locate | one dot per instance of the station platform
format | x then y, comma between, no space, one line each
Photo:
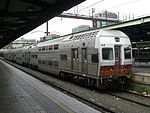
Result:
21,93
141,74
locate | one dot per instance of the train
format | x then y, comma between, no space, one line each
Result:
141,55
99,58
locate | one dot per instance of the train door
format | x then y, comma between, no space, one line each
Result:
27,57
84,60
75,63
117,59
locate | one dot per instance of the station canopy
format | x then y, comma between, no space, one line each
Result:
138,29
18,17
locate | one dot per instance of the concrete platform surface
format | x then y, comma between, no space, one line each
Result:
141,74
21,93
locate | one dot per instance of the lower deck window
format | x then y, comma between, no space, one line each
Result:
107,53
63,57
50,63
94,58
39,61
43,61
56,63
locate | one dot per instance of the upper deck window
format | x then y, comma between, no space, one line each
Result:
43,48
107,53
56,46
127,53
50,47
39,48
94,58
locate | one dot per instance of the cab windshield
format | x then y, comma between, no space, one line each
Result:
107,53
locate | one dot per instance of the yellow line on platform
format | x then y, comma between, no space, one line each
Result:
60,104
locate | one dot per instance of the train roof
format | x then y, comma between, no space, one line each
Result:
49,42
112,33
91,33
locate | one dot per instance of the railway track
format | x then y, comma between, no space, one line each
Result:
120,95
101,108
140,83
126,96
136,98
132,97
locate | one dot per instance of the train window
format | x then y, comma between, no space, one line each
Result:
50,63
43,61
47,62
107,53
63,57
127,53
43,48
39,61
56,46
95,58
47,48
50,47
39,49
56,63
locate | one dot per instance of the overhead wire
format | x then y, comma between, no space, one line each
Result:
109,7
97,3
91,5
122,4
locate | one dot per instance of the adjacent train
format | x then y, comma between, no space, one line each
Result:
99,58
141,55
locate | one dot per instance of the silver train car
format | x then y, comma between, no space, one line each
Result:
99,58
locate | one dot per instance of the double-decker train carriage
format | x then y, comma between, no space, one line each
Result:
141,52
141,55
98,58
